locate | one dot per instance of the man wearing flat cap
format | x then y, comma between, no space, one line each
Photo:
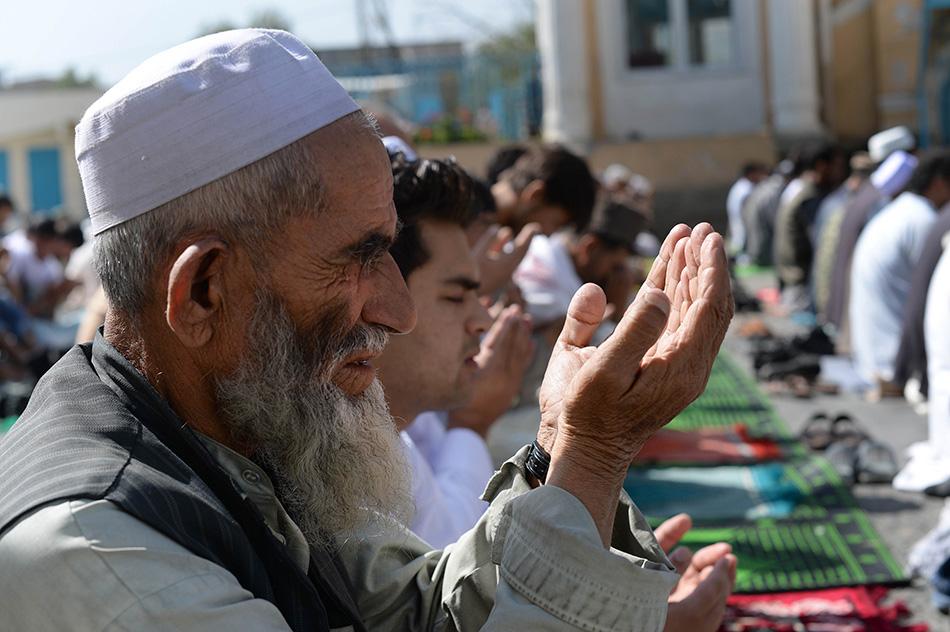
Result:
220,457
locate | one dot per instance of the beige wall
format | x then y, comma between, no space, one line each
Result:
669,164
853,113
897,42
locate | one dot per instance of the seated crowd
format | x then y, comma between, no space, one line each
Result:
297,340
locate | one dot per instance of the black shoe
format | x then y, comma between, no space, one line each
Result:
940,490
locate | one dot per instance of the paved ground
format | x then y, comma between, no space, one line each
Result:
901,518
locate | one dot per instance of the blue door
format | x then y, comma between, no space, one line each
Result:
4,178
46,191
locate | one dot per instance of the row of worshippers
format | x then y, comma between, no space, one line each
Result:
554,239
222,455
45,283
808,219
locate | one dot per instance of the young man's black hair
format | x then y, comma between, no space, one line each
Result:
568,182
502,160
436,190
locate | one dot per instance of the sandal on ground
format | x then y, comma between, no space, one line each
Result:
845,428
874,462
843,457
818,431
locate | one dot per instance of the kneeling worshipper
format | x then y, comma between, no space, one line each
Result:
221,456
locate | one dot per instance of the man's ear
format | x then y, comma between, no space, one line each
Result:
196,296
586,244
533,195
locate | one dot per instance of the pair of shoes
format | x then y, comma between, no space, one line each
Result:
821,431
864,461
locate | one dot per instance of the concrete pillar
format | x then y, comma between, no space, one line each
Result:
793,66
564,72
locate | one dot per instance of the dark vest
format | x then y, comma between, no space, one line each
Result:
96,429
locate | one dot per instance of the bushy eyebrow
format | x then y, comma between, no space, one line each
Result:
372,245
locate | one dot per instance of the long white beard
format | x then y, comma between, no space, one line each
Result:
339,464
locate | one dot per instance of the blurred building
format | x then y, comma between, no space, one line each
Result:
685,91
445,91
37,160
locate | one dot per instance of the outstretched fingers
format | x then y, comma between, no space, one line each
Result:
657,276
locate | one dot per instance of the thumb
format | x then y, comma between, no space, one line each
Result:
584,316
638,330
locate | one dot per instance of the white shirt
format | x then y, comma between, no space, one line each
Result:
791,190
734,201
884,260
929,462
27,271
937,339
450,469
547,279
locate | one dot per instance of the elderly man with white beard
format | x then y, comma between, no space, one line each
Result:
220,456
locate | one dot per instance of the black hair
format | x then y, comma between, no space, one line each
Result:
750,168
567,179
815,153
72,234
437,190
42,227
5,201
482,199
502,160
934,164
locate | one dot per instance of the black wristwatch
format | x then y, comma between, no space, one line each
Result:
538,462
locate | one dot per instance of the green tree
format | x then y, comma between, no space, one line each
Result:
265,19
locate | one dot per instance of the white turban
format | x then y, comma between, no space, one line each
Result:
197,112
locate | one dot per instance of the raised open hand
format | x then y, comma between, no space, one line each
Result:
505,354
600,405
499,252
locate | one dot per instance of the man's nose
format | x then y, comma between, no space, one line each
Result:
390,304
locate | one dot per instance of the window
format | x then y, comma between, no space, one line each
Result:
648,33
710,32
679,33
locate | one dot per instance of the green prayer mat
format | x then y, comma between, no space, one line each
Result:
842,549
794,524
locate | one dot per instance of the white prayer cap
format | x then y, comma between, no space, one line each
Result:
894,173
885,143
395,145
616,175
197,112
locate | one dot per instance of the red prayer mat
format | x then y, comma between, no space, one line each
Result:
708,446
856,609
